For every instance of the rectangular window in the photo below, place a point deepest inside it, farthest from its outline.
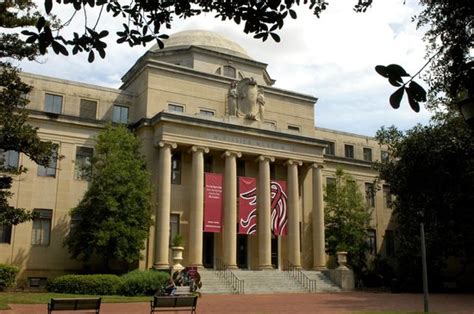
(271, 123)
(10, 159)
(367, 154)
(205, 112)
(389, 242)
(372, 241)
(349, 151)
(294, 128)
(5, 233)
(37, 282)
(53, 103)
(176, 168)
(41, 227)
(75, 220)
(330, 149)
(50, 171)
(82, 169)
(383, 155)
(369, 195)
(240, 168)
(229, 71)
(174, 227)
(88, 109)
(207, 163)
(272, 171)
(175, 108)
(120, 114)
(387, 197)
(330, 184)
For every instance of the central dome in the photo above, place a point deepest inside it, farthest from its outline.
(204, 39)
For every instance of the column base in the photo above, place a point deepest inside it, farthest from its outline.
(319, 268)
(265, 267)
(161, 266)
(231, 267)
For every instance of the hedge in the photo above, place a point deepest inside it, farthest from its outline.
(86, 284)
(134, 283)
(143, 282)
(7, 275)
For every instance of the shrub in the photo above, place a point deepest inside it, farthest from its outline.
(7, 275)
(86, 284)
(140, 282)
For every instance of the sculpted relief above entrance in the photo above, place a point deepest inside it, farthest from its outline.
(246, 99)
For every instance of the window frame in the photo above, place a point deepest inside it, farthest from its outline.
(225, 67)
(176, 172)
(208, 163)
(6, 234)
(7, 159)
(50, 171)
(43, 215)
(351, 149)
(120, 108)
(82, 105)
(78, 173)
(330, 152)
(369, 194)
(294, 128)
(387, 196)
(384, 155)
(372, 241)
(206, 112)
(370, 156)
(53, 104)
(173, 106)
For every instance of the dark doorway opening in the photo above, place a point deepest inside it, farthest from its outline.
(274, 251)
(242, 251)
(208, 250)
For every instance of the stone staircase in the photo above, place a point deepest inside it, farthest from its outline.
(323, 283)
(212, 284)
(264, 282)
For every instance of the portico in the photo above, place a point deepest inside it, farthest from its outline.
(297, 159)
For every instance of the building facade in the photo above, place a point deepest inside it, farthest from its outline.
(200, 105)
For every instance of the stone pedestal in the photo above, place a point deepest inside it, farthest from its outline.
(177, 254)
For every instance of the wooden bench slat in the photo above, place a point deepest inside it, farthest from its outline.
(74, 304)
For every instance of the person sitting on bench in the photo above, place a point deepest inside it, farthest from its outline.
(170, 288)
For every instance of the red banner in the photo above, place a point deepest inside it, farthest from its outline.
(247, 205)
(279, 208)
(213, 202)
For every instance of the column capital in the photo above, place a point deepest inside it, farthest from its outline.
(317, 166)
(161, 144)
(294, 162)
(196, 148)
(265, 158)
(229, 153)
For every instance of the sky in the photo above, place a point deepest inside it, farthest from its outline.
(331, 58)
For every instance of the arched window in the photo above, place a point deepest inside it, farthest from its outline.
(229, 71)
(218, 71)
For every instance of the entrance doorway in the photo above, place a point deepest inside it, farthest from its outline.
(242, 251)
(208, 250)
(274, 251)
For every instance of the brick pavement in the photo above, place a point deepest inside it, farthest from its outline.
(295, 303)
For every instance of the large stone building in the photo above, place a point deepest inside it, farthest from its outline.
(201, 105)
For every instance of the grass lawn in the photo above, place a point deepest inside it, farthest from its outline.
(44, 297)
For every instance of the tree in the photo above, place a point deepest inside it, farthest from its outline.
(347, 220)
(431, 173)
(115, 212)
(16, 135)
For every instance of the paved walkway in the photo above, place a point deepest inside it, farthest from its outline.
(295, 303)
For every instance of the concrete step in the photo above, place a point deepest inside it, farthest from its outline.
(212, 284)
(268, 281)
(323, 284)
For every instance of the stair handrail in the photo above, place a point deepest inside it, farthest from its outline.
(298, 275)
(222, 271)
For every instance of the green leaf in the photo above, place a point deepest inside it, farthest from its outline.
(418, 92)
(275, 37)
(396, 70)
(40, 23)
(91, 56)
(292, 14)
(412, 100)
(396, 98)
(395, 81)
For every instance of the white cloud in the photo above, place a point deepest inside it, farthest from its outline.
(332, 58)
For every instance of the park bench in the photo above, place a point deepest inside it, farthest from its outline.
(71, 304)
(173, 303)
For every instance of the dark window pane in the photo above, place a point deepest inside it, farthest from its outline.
(120, 114)
(50, 171)
(88, 109)
(369, 195)
(372, 241)
(330, 149)
(176, 168)
(208, 163)
(83, 162)
(349, 151)
(176, 108)
(367, 154)
(41, 227)
(5, 233)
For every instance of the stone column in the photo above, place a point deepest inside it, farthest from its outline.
(196, 208)
(293, 213)
(264, 213)
(162, 215)
(230, 209)
(319, 249)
